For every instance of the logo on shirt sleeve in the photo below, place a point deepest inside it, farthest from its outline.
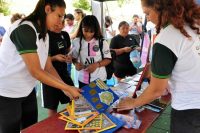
(107, 51)
(95, 48)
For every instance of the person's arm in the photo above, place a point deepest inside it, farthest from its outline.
(162, 64)
(58, 57)
(113, 33)
(138, 48)
(139, 27)
(92, 67)
(1, 39)
(131, 26)
(74, 34)
(104, 62)
(156, 88)
(24, 38)
(114, 46)
(50, 76)
(78, 66)
(122, 50)
(75, 31)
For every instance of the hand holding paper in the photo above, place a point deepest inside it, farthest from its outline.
(127, 49)
(92, 67)
(126, 104)
(73, 93)
(59, 57)
(79, 66)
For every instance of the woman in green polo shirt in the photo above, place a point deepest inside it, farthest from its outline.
(175, 62)
(23, 60)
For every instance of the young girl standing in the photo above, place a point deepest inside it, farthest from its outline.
(87, 55)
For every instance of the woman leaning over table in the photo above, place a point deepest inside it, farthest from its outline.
(175, 61)
(23, 60)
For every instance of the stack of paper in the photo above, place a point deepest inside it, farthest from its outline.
(79, 117)
(86, 120)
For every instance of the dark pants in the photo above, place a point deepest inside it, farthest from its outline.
(17, 113)
(185, 121)
(52, 96)
(123, 70)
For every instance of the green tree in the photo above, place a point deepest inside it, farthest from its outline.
(122, 2)
(4, 7)
(83, 4)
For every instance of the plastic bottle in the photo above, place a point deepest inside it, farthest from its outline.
(144, 84)
(131, 120)
(135, 58)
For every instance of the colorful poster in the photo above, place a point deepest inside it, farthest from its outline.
(99, 95)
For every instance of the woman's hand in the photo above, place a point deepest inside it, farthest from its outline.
(113, 33)
(73, 93)
(59, 57)
(138, 48)
(92, 67)
(68, 59)
(127, 49)
(126, 104)
(79, 66)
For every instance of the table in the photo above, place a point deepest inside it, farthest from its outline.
(54, 125)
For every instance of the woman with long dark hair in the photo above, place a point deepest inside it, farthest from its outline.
(24, 60)
(175, 61)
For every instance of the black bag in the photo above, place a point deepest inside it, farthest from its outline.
(109, 67)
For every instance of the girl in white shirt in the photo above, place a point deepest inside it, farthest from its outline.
(86, 53)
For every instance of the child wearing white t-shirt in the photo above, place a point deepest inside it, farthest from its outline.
(86, 53)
